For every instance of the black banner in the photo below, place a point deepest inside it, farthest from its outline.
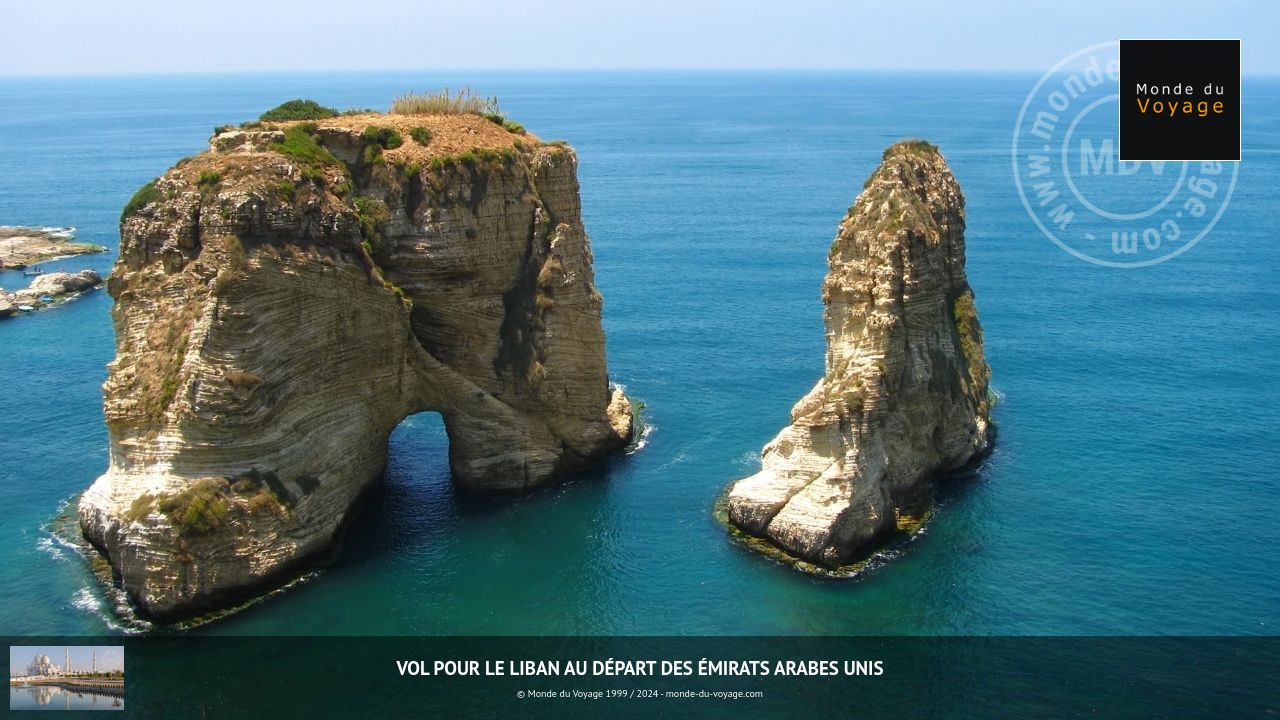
(624, 677)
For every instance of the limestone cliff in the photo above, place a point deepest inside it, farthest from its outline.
(904, 395)
(285, 299)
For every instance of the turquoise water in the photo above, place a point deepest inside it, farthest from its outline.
(1132, 492)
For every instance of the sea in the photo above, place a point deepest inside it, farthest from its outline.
(1133, 486)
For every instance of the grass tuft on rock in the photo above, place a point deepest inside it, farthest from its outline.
(209, 178)
(198, 510)
(509, 125)
(443, 102)
(379, 139)
(966, 316)
(300, 144)
(388, 138)
(141, 507)
(915, 147)
(372, 213)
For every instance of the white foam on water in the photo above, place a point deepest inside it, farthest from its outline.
(646, 429)
(749, 459)
(679, 458)
(53, 546)
(86, 601)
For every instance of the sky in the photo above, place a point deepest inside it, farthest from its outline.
(110, 657)
(73, 37)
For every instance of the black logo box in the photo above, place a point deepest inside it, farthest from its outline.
(1187, 68)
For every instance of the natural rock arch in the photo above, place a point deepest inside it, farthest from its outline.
(278, 313)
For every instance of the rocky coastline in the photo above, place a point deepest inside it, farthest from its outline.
(21, 247)
(47, 289)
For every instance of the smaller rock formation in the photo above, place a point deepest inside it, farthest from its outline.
(23, 246)
(47, 289)
(904, 396)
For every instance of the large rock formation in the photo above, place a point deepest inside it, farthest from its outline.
(904, 396)
(284, 300)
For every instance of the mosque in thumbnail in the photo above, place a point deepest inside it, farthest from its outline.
(43, 666)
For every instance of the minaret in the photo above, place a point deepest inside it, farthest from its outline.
(66, 660)
(95, 661)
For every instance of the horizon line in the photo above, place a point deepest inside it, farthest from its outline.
(539, 70)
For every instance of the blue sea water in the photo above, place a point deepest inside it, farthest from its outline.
(1133, 489)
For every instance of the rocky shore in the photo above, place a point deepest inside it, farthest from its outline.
(47, 289)
(904, 397)
(24, 246)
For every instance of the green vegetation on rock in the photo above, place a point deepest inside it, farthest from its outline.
(372, 213)
(298, 109)
(915, 147)
(260, 497)
(379, 139)
(141, 507)
(388, 138)
(145, 195)
(965, 314)
(300, 143)
(209, 178)
(410, 169)
(198, 510)
(420, 135)
(508, 125)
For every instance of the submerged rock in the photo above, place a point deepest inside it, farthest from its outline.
(284, 300)
(904, 396)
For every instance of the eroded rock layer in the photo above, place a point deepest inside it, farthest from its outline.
(284, 300)
(904, 396)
